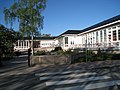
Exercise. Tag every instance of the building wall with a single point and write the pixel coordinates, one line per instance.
(105, 37)
(68, 41)
(102, 37)
(22, 45)
(46, 45)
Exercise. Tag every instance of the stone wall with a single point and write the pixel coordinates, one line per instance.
(50, 60)
(56, 59)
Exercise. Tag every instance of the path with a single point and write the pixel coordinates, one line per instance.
(16, 75)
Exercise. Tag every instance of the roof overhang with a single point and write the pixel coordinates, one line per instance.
(94, 29)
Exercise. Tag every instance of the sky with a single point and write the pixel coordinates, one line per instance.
(63, 15)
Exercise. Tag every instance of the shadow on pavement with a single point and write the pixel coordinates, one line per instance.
(16, 75)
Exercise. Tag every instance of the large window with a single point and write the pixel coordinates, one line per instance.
(109, 36)
(114, 36)
(17, 43)
(119, 34)
(118, 26)
(66, 40)
(105, 35)
(101, 36)
(114, 27)
(96, 36)
(24, 43)
(72, 42)
(20, 43)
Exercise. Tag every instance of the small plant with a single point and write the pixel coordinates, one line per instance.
(40, 53)
(68, 52)
(58, 49)
(99, 51)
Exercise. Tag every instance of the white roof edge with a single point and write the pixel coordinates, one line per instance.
(99, 27)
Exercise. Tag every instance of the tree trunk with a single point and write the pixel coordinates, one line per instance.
(1, 51)
(32, 46)
(0, 62)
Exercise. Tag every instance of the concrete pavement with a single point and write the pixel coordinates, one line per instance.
(16, 75)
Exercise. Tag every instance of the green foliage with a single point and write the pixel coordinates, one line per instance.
(59, 52)
(68, 52)
(99, 51)
(40, 53)
(58, 49)
(7, 39)
(45, 35)
(28, 13)
(91, 56)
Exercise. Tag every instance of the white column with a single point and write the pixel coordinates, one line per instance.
(98, 36)
(29, 44)
(107, 37)
(18, 44)
(23, 44)
(26, 44)
(117, 33)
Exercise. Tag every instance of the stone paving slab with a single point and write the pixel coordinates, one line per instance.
(16, 75)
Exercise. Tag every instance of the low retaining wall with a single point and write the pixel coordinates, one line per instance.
(50, 60)
(55, 59)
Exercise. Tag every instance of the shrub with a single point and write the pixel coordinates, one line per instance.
(99, 51)
(58, 49)
(115, 57)
(17, 53)
(68, 52)
(40, 53)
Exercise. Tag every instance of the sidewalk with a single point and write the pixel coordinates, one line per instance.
(98, 64)
(20, 63)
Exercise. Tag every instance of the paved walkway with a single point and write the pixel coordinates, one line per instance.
(78, 80)
(100, 75)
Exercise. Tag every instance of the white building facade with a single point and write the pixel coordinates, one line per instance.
(40, 43)
(103, 35)
(69, 39)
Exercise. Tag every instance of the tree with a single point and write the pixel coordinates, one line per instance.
(45, 35)
(7, 38)
(28, 14)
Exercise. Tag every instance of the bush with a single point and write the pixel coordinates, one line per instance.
(68, 52)
(100, 56)
(58, 49)
(40, 53)
(115, 57)
(17, 53)
(99, 51)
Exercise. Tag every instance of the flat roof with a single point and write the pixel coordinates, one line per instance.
(93, 26)
(71, 32)
(103, 23)
(38, 38)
